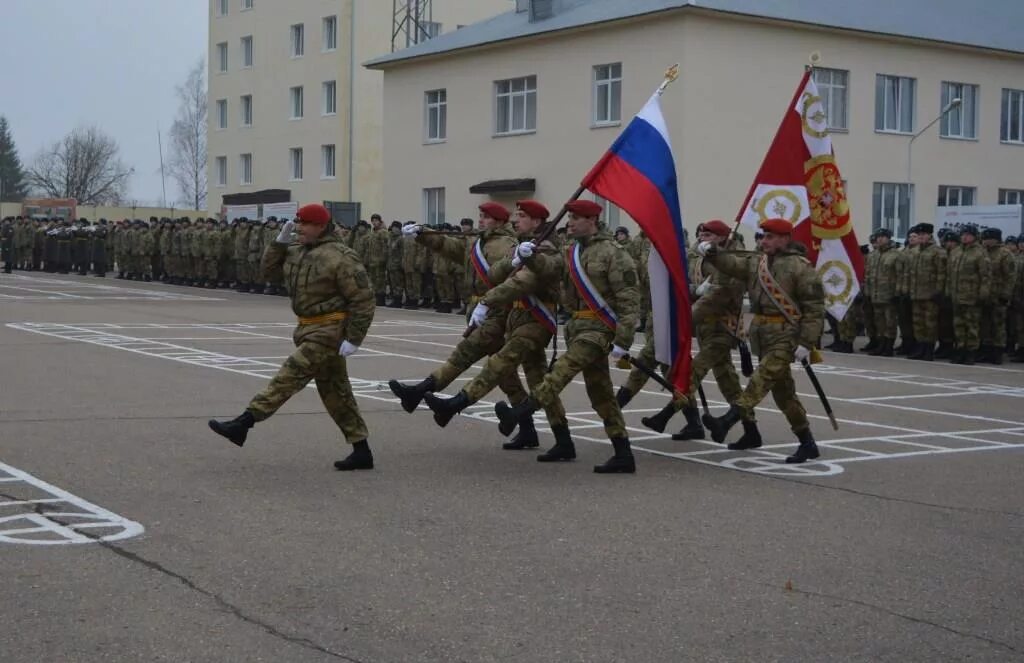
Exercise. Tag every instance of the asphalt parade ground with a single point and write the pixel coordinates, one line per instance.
(130, 532)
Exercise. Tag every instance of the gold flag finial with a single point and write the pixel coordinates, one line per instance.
(671, 74)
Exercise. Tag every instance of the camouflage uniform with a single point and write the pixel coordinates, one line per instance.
(179, 244)
(211, 254)
(377, 261)
(413, 257)
(1017, 305)
(969, 286)
(881, 288)
(444, 283)
(993, 310)
(272, 282)
(170, 262)
(925, 279)
(241, 255)
(226, 255)
(142, 249)
(254, 256)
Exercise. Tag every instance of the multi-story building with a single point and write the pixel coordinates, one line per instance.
(523, 104)
(292, 110)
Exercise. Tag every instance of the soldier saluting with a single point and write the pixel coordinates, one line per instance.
(333, 300)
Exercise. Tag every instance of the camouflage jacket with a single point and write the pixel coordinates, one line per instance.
(498, 244)
(255, 245)
(322, 278)
(395, 250)
(413, 253)
(142, 244)
(377, 248)
(240, 242)
(167, 242)
(796, 276)
(227, 243)
(925, 273)
(883, 274)
(1018, 286)
(196, 242)
(542, 278)
(1004, 273)
(969, 275)
(723, 300)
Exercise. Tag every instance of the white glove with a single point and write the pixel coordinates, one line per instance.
(347, 349)
(411, 229)
(704, 287)
(801, 354)
(704, 247)
(479, 313)
(525, 250)
(285, 236)
(618, 353)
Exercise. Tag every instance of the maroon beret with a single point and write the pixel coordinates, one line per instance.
(496, 211)
(533, 209)
(777, 226)
(584, 208)
(716, 227)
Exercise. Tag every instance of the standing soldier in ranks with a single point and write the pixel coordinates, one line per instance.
(970, 286)
(950, 241)
(444, 283)
(255, 255)
(226, 255)
(269, 232)
(7, 245)
(179, 248)
(396, 277)
(145, 248)
(870, 320)
(925, 286)
(881, 283)
(52, 253)
(332, 297)
(904, 309)
(377, 258)
(854, 317)
(413, 255)
(1018, 302)
(993, 312)
(99, 248)
(167, 257)
(80, 248)
(600, 288)
(493, 245)
(788, 303)
(39, 244)
(241, 253)
(20, 244)
(197, 252)
(462, 272)
(156, 230)
(211, 253)
(118, 242)
(65, 235)
(532, 292)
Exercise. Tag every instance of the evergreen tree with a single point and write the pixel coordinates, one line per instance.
(12, 177)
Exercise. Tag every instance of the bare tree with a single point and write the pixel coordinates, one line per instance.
(84, 165)
(187, 161)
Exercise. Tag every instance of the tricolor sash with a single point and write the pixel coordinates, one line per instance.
(480, 264)
(540, 312)
(587, 290)
(775, 293)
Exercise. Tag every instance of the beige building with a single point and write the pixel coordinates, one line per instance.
(535, 96)
(290, 107)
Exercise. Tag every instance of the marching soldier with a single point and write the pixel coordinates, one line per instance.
(969, 288)
(788, 302)
(377, 257)
(332, 297)
(993, 312)
(600, 288)
(396, 276)
(926, 280)
(881, 285)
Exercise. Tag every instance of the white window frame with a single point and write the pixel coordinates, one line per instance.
(435, 116)
(220, 165)
(296, 102)
(1010, 122)
(889, 194)
(905, 86)
(329, 98)
(959, 123)
(434, 206)
(329, 34)
(222, 8)
(328, 162)
(248, 53)
(1011, 196)
(246, 5)
(952, 195)
(295, 164)
(222, 114)
(834, 89)
(245, 110)
(245, 169)
(222, 57)
(611, 215)
(604, 76)
(505, 92)
(297, 40)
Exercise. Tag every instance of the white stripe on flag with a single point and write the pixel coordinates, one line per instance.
(661, 293)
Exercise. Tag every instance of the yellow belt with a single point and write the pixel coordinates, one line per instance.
(773, 319)
(585, 314)
(522, 305)
(473, 299)
(336, 316)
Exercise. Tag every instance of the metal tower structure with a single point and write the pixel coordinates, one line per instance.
(411, 24)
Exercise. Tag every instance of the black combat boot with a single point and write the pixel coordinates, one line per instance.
(880, 348)
(235, 430)
(396, 302)
(945, 351)
(885, 350)
(270, 290)
(693, 430)
(258, 288)
(380, 299)
(411, 304)
(918, 352)
(620, 463)
(412, 395)
(807, 450)
(462, 309)
(360, 459)
(719, 426)
(526, 438)
(563, 450)
(446, 408)
(509, 417)
(658, 422)
(120, 275)
(751, 437)
(623, 397)
(872, 344)
(847, 348)
(147, 278)
(968, 358)
(929, 352)
(906, 348)
(996, 357)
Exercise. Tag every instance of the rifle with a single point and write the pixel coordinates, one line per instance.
(746, 362)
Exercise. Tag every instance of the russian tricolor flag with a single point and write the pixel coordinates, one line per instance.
(638, 173)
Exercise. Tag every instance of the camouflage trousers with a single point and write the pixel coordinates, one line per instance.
(444, 287)
(170, 265)
(905, 318)
(523, 345)
(255, 271)
(583, 355)
(226, 270)
(413, 285)
(926, 320)
(715, 355)
(993, 326)
(209, 269)
(242, 271)
(313, 361)
(637, 378)
(967, 326)
(378, 278)
(848, 325)
(773, 375)
(487, 339)
(886, 319)
(870, 325)
(946, 334)
(396, 281)
(1018, 319)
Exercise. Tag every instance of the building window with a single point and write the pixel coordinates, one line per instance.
(222, 57)
(330, 40)
(298, 40)
(433, 206)
(422, 31)
(894, 103)
(1011, 196)
(515, 105)
(436, 115)
(956, 196)
(1012, 124)
(222, 171)
(962, 121)
(246, 107)
(327, 161)
(295, 164)
(891, 207)
(247, 52)
(330, 97)
(611, 214)
(222, 7)
(222, 113)
(245, 168)
(297, 102)
(607, 94)
(833, 88)
(246, 4)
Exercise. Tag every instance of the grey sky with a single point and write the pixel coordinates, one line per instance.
(113, 63)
